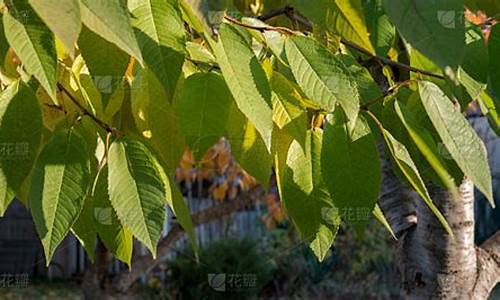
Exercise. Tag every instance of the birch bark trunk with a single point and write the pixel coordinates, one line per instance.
(433, 264)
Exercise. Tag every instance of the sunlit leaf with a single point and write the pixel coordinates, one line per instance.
(203, 110)
(34, 43)
(136, 191)
(59, 185)
(62, 18)
(110, 20)
(351, 168)
(323, 77)
(246, 80)
(160, 32)
(431, 27)
(460, 139)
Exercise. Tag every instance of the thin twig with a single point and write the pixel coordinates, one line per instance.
(387, 61)
(199, 63)
(388, 93)
(291, 14)
(282, 30)
(87, 113)
(376, 120)
(55, 106)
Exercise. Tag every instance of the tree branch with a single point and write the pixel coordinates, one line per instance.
(388, 92)
(492, 245)
(87, 113)
(282, 30)
(488, 259)
(387, 61)
(145, 264)
(292, 15)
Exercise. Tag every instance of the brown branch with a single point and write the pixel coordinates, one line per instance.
(144, 264)
(492, 245)
(292, 15)
(389, 92)
(282, 30)
(387, 61)
(87, 113)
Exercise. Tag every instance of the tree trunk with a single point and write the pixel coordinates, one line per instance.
(95, 277)
(433, 264)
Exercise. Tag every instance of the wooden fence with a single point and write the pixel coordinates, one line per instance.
(21, 251)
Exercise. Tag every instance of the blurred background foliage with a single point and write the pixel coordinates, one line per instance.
(357, 268)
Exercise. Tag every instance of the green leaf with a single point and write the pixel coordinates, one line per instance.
(460, 139)
(379, 215)
(34, 43)
(367, 88)
(343, 18)
(7, 195)
(177, 204)
(4, 45)
(351, 168)
(494, 66)
(193, 17)
(117, 238)
(103, 58)
(274, 40)
(62, 18)
(110, 20)
(20, 132)
(431, 28)
(200, 53)
(348, 20)
(20, 137)
(303, 193)
(476, 59)
(382, 32)
(136, 190)
(58, 188)
(246, 80)
(405, 163)
(473, 72)
(490, 108)
(205, 14)
(323, 77)
(155, 117)
(160, 32)
(84, 228)
(247, 144)
(115, 101)
(287, 111)
(317, 13)
(427, 146)
(323, 241)
(203, 110)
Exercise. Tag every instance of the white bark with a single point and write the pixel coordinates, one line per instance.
(433, 264)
